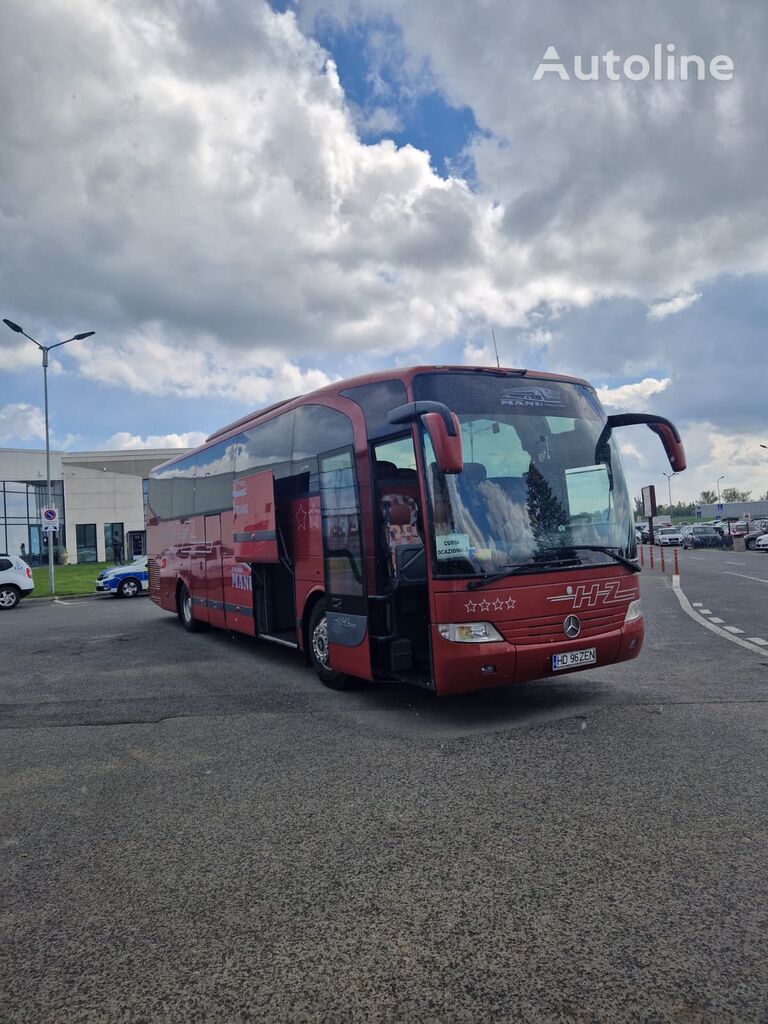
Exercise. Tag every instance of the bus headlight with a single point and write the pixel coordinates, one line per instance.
(469, 632)
(634, 612)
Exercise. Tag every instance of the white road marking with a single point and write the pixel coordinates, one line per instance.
(733, 563)
(704, 611)
(698, 604)
(758, 640)
(718, 621)
(733, 629)
(696, 558)
(757, 579)
(689, 610)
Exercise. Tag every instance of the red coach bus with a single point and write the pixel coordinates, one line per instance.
(452, 527)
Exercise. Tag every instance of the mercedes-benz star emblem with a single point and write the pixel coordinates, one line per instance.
(572, 627)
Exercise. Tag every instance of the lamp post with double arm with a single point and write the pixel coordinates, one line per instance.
(45, 349)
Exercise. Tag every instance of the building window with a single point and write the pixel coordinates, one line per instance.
(21, 505)
(114, 541)
(86, 542)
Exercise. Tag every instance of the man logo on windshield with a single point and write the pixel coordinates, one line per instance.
(531, 396)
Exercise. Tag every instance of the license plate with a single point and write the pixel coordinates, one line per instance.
(570, 659)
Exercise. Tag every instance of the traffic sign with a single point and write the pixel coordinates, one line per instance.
(50, 528)
(720, 506)
(50, 517)
(747, 517)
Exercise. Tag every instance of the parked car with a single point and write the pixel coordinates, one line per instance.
(761, 544)
(15, 581)
(701, 537)
(641, 534)
(753, 534)
(669, 537)
(124, 580)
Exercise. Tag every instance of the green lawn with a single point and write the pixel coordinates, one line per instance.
(70, 579)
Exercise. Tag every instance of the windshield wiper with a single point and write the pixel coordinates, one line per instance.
(513, 570)
(603, 550)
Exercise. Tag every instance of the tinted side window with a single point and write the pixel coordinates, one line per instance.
(160, 492)
(266, 446)
(213, 482)
(183, 480)
(317, 429)
(376, 401)
(5, 564)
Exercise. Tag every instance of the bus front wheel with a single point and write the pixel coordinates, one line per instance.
(185, 610)
(318, 650)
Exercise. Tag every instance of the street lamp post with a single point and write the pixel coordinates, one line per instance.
(718, 488)
(45, 349)
(669, 483)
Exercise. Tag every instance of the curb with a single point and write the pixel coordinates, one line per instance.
(66, 597)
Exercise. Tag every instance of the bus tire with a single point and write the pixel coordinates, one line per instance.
(317, 634)
(186, 618)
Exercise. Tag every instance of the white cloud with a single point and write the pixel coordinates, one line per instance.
(668, 307)
(21, 422)
(539, 337)
(195, 366)
(628, 396)
(124, 440)
(379, 121)
(18, 357)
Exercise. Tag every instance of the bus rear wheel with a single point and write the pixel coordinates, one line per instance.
(185, 610)
(317, 634)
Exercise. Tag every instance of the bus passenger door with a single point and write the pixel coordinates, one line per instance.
(349, 646)
(214, 581)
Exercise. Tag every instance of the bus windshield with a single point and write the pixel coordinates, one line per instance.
(535, 487)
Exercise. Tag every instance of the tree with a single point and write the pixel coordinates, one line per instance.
(734, 494)
(707, 498)
(763, 497)
(549, 520)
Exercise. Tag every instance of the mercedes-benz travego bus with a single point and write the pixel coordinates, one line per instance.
(452, 527)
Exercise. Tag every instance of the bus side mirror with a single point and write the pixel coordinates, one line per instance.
(665, 429)
(443, 428)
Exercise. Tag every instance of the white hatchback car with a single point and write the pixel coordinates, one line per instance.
(15, 581)
(761, 544)
(669, 537)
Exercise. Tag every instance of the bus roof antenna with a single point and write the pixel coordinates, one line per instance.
(495, 346)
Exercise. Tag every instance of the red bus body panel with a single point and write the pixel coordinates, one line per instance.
(529, 614)
(254, 518)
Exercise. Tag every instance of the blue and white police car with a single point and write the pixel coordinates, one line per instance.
(124, 580)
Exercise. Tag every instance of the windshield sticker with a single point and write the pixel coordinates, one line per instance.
(532, 396)
(452, 545)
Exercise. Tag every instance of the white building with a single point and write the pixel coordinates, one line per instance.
(101, 498)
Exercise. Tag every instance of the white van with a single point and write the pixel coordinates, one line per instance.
(15, 581)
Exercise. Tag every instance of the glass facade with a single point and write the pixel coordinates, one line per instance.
(21, 505)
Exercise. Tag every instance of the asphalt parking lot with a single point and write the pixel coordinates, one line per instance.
(195, 829)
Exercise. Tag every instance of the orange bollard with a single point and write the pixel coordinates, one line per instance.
(651, 554)
(677, 564)
(663, 566)
(642, 556)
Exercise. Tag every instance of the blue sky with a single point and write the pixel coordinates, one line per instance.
(240, 220)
